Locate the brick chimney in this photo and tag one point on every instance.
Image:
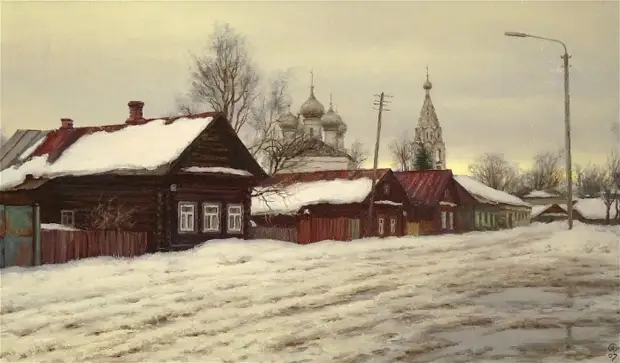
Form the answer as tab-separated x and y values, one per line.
135	112
66	123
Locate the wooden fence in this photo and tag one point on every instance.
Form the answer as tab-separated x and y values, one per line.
59	246
278	233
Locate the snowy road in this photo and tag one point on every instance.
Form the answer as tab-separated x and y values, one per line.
535	294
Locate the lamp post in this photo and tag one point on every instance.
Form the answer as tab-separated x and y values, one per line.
567	141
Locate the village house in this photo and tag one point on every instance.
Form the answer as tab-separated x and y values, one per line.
494	209
183	180
593	211
553	212
437	200
329	205
542	197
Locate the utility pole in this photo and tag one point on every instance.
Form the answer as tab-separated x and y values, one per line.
567	131
569	167
380	104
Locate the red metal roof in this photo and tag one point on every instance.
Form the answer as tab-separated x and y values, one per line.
293	178
425	186
57	141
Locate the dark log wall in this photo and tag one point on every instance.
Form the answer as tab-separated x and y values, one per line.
83	194
223	190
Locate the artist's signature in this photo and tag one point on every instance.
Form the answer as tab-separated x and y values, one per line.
613	352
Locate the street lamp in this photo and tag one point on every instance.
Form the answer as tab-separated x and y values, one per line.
569	172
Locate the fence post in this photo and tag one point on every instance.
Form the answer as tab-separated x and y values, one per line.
36	234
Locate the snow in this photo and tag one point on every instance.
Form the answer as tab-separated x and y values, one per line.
217	170
592	208
31	149
388	202
478	189
519	295
540	194
135	147
56	226
290	199
538	209
450	204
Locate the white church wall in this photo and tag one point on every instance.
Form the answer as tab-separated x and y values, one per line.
317	163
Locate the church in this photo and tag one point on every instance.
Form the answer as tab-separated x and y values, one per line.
325	130
428	133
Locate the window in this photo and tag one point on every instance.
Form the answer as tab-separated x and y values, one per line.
381	226
67	218
386	189
450	220
443	220
187	216
235	218
210	217
392	225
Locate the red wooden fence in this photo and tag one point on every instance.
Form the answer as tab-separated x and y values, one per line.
59	246
315	229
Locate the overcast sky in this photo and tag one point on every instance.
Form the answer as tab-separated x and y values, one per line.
86	60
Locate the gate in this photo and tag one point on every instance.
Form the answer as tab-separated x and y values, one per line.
18	235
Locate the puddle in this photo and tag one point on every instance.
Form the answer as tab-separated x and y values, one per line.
481	342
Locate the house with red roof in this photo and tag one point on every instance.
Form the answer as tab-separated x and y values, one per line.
184	179
442	204
330	205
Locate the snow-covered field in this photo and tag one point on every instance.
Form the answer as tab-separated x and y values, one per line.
532	294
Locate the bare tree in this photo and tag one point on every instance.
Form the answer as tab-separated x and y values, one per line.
496	172
358	153
403	155
224	77
109	214
590	180
547	171
609	192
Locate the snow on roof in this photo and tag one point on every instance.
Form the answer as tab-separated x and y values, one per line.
591	208
479	190
217	170
540	194
134	147
293	197
538	209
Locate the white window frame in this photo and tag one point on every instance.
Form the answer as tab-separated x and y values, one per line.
180	227
381	226
392	225
209	217
450	220
232	228
443	219
67	214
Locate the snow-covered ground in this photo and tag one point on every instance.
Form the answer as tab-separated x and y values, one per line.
532	294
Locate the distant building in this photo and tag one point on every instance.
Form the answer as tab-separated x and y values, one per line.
428	133
495	209
542	197
326	131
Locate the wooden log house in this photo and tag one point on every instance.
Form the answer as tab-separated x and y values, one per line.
437	198
184	180
331	205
